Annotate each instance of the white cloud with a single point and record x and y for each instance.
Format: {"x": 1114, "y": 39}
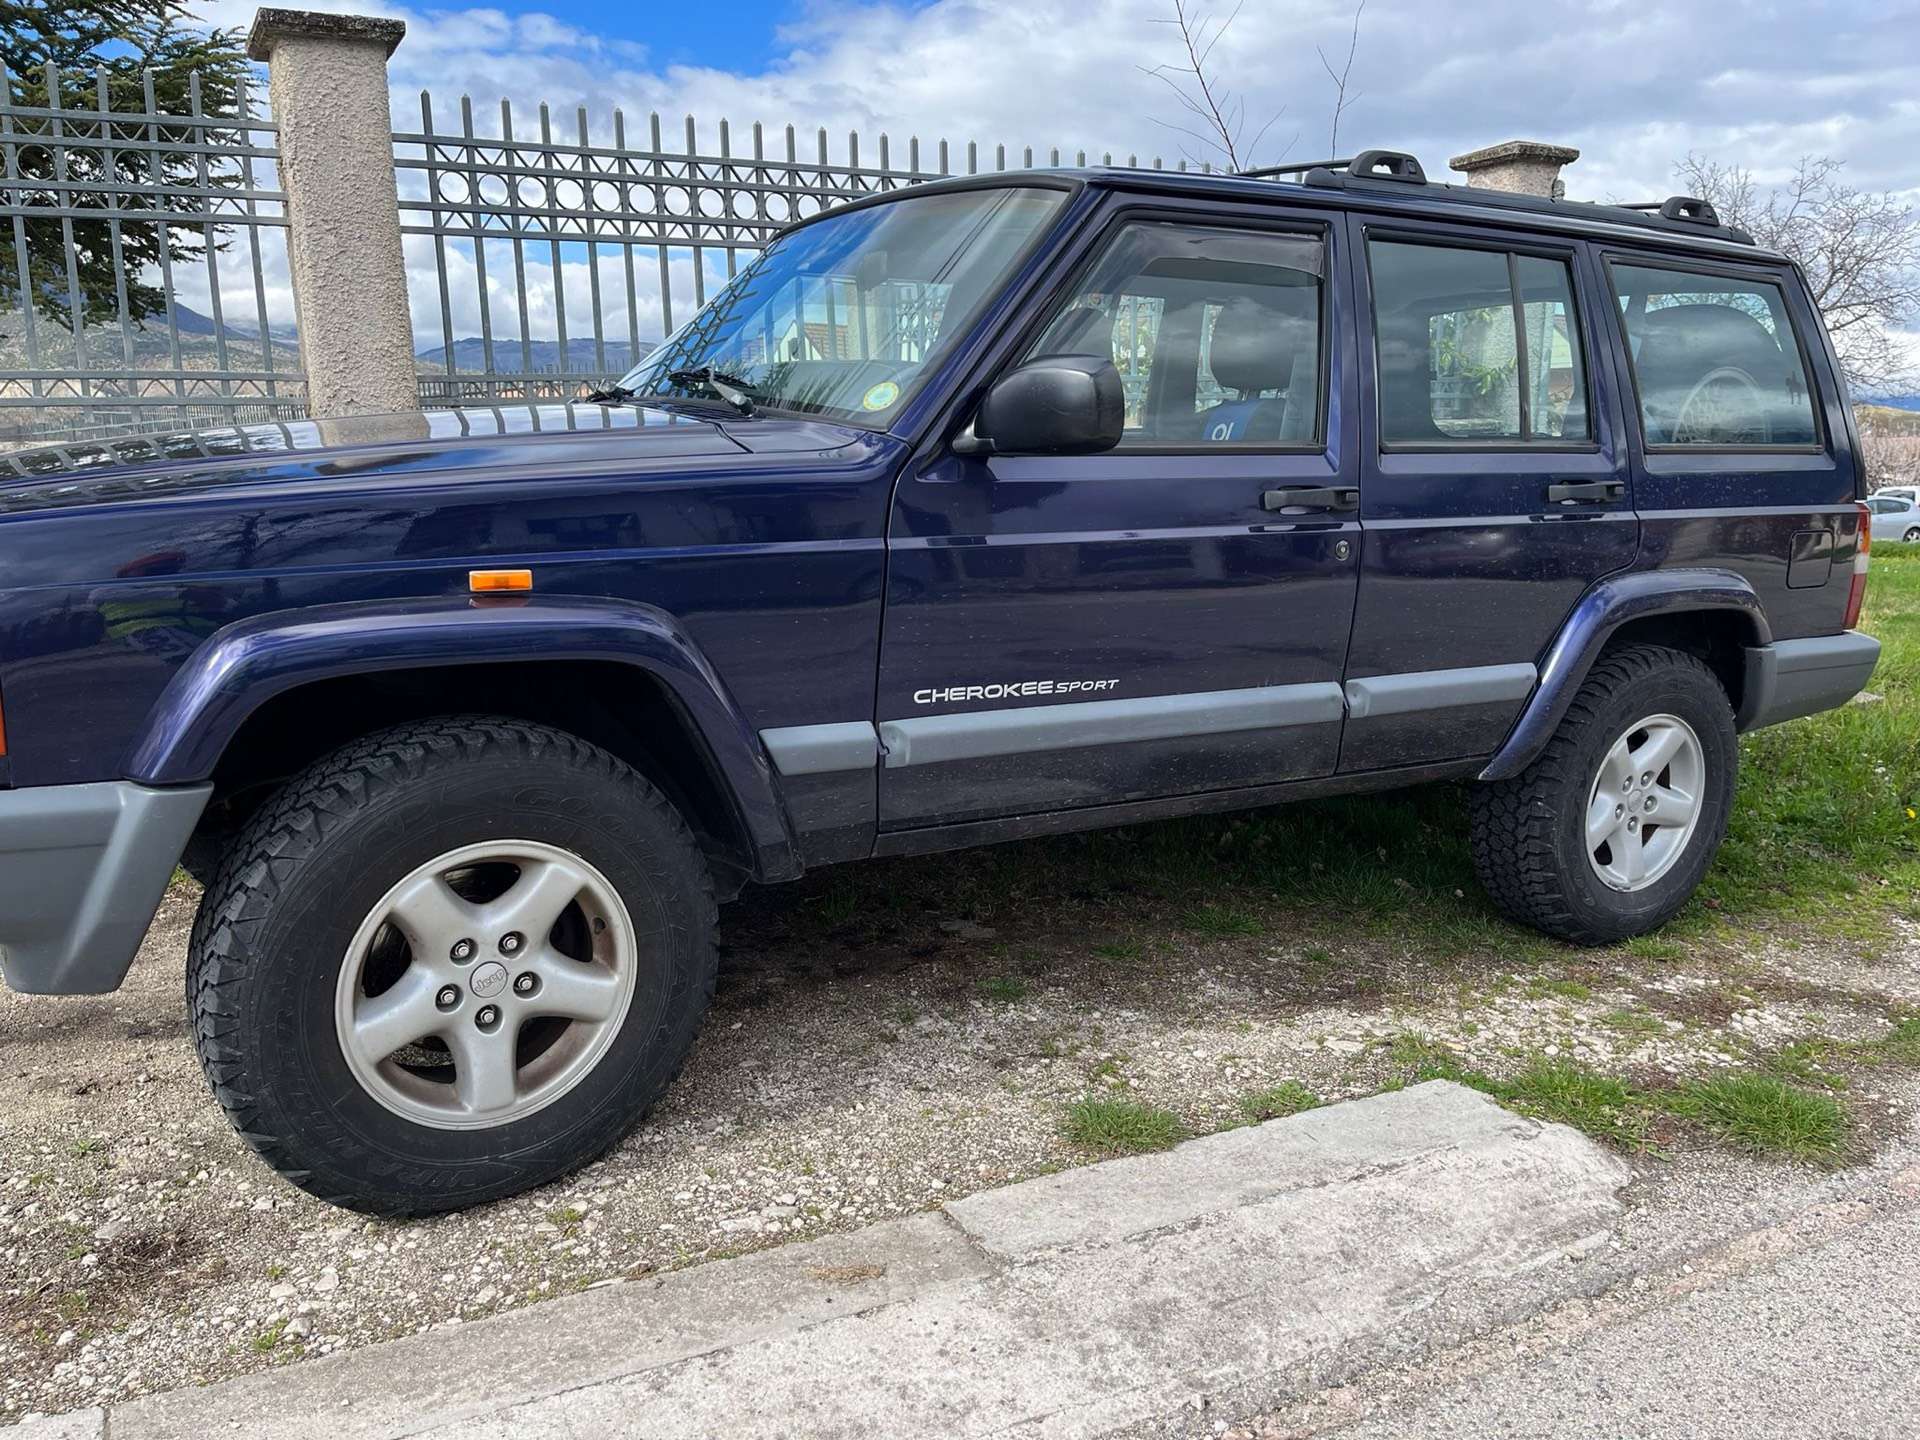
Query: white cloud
{"x": 1634, "y": 85}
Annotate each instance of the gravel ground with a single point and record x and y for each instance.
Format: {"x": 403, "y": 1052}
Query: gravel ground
{"x": 849, "y": 1072}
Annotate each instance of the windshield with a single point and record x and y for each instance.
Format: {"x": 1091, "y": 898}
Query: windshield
{"x": 841, "y": 316}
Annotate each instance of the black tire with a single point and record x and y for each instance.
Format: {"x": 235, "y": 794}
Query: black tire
{"x": 278, "y": 920}
{"x": 1528, "y": 833}
{"x": 1912, "y": 537}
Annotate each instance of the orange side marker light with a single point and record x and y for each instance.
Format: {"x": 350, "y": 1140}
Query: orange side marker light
{"x": 494, "y": 582}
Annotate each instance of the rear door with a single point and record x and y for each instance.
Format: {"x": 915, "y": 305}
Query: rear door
{"x": 1744, "y": 458}
{"x": 1494, "y": 481}
{"x": 1072, "y": 631}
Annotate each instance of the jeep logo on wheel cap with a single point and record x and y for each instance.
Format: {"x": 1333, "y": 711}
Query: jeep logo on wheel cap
{"x": 489, "y": 980}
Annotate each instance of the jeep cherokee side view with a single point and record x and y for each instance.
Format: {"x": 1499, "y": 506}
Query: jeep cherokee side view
{"x": 990, "y": 508}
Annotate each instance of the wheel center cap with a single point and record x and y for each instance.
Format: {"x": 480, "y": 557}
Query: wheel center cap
{"x": 488, "y": 980}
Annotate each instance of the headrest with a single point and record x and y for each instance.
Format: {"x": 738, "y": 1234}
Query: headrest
{"x": 1255, "y": 346}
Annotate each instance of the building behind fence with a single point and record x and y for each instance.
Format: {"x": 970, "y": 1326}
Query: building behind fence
{"x": 553, "y": 257}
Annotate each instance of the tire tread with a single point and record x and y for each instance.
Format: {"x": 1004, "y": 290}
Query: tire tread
{"x": 265, "y": 858}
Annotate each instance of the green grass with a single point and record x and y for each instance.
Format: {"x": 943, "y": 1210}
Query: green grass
{"x": 1830, "y": 805}
{"x": 1276, "y": 1102}
{"x": 1901, "y": 1046}
{"x": 1806, "y": 1062}
{"x": 1634, "y": 1023}
{"x": 1540, "y": 988}
{"x": 1006, "y": 989}
{"x": 1764, "y": 1115}
{"x": 1223, "y": 920}
{"x": 1758, "y": 1113}
{"x": 1120, "y": 1127}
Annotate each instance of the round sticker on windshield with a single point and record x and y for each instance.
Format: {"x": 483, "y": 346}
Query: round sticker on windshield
{"x": 881, "y": 395}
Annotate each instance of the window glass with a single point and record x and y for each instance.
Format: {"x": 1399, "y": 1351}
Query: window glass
{"x": 842, "y": 317}
{"x": 1714, "y": 360}
{"x": 1462, "y": 358}
{"x": 1215, "y": 332}
{"x": 1556, "y": 366}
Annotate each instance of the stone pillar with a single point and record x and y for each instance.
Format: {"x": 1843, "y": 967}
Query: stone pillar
{"x": 328, "y": 86}
{"x": 1524, "y": 167}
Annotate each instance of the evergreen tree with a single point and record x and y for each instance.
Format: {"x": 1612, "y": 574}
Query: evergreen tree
{"x": 124, "y": 40}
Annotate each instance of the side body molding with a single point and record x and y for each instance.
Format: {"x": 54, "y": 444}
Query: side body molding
{"x": 1602, "y": 610}
{"x": 253, "y": 660}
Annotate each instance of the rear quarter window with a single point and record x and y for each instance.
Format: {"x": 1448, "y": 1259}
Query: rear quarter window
{"x": 1715, "y": 360}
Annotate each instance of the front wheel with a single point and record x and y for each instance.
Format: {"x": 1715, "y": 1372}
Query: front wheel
{"x": 452, "y": 961}
{"x": 1611, "y": 829}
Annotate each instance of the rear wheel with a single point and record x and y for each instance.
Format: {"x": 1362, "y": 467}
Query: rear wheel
{"x": 1611, "y": 829}
{"x": 454, "y": 960}
{"x": 1912, "y": 537}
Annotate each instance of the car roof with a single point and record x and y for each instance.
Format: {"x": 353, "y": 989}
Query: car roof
{"x": 1338, "y": 190}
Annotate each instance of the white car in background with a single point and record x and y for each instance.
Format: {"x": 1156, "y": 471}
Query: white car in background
{"x": 1896, "y": 515}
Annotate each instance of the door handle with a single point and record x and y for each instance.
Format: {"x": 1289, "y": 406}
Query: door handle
{"x": 1581, "y": 492}
{"x": 1312, "y": 497}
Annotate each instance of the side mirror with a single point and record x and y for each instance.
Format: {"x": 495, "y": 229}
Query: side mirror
{"x": 1052, "y": 405}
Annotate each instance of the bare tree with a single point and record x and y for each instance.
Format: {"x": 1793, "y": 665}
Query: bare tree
{"x": 1221, "y": 114}
{"x": 1860, "y": 251}
{"x": 1340, "y": 97}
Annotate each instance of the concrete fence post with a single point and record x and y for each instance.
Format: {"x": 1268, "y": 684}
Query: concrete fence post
{"x": 1525, "y": 167}
{"x": 328, "y": 87}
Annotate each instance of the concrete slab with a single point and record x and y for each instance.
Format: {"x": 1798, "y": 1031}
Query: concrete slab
{"x": 1066, "y": 1306}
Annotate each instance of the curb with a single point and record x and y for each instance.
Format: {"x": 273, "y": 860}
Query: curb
{"x": 1075, "y": 1304}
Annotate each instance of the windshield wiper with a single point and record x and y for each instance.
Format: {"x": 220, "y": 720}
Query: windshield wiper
{"x": 611, "y": 395}
{"x": 730, "y": 388}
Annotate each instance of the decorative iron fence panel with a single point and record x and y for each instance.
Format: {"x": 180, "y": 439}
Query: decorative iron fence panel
{"x": 558, "y": 260}
{"x": 181, "y": 211}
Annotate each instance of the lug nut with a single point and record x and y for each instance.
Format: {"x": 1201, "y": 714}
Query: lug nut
{"x": 448, "y": 997}
{"x": 488, "y": 1017}
{"x": 1651, "y": 802}
{"x": 462, "y": 951}
{"x": 1626, "y": 785}
{"x": 511, "y": 942}
{"x": 1633, "y": 823}
{"x": 1647, "y": 779}
{"x": 525, "y": 983}
{"x": 1619, "y": 811}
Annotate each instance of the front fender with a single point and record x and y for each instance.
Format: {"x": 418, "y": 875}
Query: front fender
{"x": 249, "y": 662}
{"x": 1602, "y": 610}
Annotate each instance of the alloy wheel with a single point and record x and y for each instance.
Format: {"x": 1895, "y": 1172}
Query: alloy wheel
{"x": 485, "y": 984}
{"x": 1645, "y": 802}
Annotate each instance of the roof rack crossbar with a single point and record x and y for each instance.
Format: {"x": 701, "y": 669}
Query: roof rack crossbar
{"x": 1367, "y": 165}
{"x": 1266, "y": 170}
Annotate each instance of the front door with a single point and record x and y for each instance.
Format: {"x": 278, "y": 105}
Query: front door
{"x": 1494, "y": 487}
{"x": 1073, "y": 631}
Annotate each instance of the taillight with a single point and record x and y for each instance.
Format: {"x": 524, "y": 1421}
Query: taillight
{"x": 1857, "y": 591}
{"x": 3, "y": 734}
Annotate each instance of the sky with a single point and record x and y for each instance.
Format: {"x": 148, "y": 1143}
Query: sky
{"x": 1634, "y": 84}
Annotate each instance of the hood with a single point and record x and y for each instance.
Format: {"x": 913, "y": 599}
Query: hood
{"x": 410, "y": 447}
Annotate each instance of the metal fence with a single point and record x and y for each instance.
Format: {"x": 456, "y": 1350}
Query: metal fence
{"x": 558, "y": 260}
{"x": 143, "y": 253}
{"x": 93, "y": 197}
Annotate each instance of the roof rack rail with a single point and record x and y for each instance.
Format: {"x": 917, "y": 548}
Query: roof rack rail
{"x": 1681, "y": 207}
{"x": 1367, "y": 165}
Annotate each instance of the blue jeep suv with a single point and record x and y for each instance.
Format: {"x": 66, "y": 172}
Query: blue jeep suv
{"x": 990, "y": 508}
